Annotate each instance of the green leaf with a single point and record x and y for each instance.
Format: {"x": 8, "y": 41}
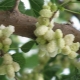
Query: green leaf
{"x": 19, "y": 58}
{"x": 36, "y": 6}
{"x": 7, "y": 4}
{"x": 27, "y": 46}
{"x": 32, "y": 61}
{"x": 21, "y": 7}
{"x": 1, "y": 60}
{"x": 3, "y": 77}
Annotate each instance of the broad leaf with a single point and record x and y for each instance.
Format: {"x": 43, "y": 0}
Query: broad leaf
{"x": 27, "y": 46}
{"x": 36, "y": 6}
{"x": 19, "y": 58}
{"x": 3, "y": 77}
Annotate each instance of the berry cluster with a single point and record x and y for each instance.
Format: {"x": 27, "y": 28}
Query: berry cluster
{"x": 5, "y": 33}
{"x": 52, "y": 42}
{"x": 9, "y": 67}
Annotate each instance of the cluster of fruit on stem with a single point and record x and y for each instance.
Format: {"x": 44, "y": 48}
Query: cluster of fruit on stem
{"x": 8, "y": 66}
{"x": 52, "y": 42}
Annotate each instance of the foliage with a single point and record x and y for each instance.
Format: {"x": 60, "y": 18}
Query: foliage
{"x": 55, "y": 66}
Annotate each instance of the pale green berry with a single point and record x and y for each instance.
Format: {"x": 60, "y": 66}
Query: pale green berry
{"x": 66, "y": 50}
{"x": 41, "y": 53}
{"x": 49, "y": 3}
{"x": 7, "y": 41}
{"x": 69, "y": 38}
{"x": 72, "y": 55}
{"x": 7, "y": 31}
{"x": 2, "y": 70}
{"x": 1, "y": 45}
{"x": 43, "y": 21}
{"x": 46, "y": 7}
{"x": 40, "y": 40}
{"x": 61, "y": 43}
{"x": 16, "y": 66}
{"x": 51, "y": 46}
{"x": 41, "y": 30}
{"x": 5, "y": 48}
{"x": 49, "y": 35}
{"x": 46, "y": 13}
{"x": 53, "y": 54}
{"x": 58, "y": 34}
{"x": 51, "y": 24}
{"x": 10, "y": 71}
{"x": 53, "y": 7}
{"x": 56, "y": 14}
{"x": 75, "y": 46}
{"x": 37, "y": 24}
{"x": 7, "y": 59}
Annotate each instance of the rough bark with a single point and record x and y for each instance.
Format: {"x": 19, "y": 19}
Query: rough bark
{"x": 25, "y": 25}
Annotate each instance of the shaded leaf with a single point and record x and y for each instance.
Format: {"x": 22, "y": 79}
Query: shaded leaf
{"x": 3, "y": 77}
{"x": 27, "y": 46}
{"x": 19, "y": 58}
{"x": 36, "y": 6}
{"x": 1, "y": 60}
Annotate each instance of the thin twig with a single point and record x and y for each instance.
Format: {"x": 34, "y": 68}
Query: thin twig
{"x": 16, "y": 5}
{"x": 53, "y": 15}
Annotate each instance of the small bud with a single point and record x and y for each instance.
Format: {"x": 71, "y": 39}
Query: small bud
{"x": 16, "y": 66}
{"x": 58, "y": 34}
{"x": 61, "y": 42}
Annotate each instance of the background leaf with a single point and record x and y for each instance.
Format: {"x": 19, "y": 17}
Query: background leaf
{"x": 27, "y": 46}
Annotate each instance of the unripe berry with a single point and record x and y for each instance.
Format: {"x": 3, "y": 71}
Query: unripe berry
{"x": 37, "y": 24}
{"x": 43, "y": 21}
{"x": 2, "y": 70}
{"x": 61, "y": 42}
{"x": 51, "y": 46}
{"x": 58, "y": 34}
{"x": 75, "y": 46}
{"x": 46, "y": 13}
{"x": 69, "y": 39}
{"x": 49, "y": 35}
{"x": 16, "y": 66}
{"x": 7, "y": 41}
{"x": 41, "y": 40}
{"x": 53, "y": 7}
{"x": 10, "y": 71}
{"x": 7, "y": 59}
{"x": 50, "y": 3}
{"x": 72, "y": 55}
{"x": 6, "y": 48}
{"x": 66, "y": 50}
{"x": 40, "y": 30}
